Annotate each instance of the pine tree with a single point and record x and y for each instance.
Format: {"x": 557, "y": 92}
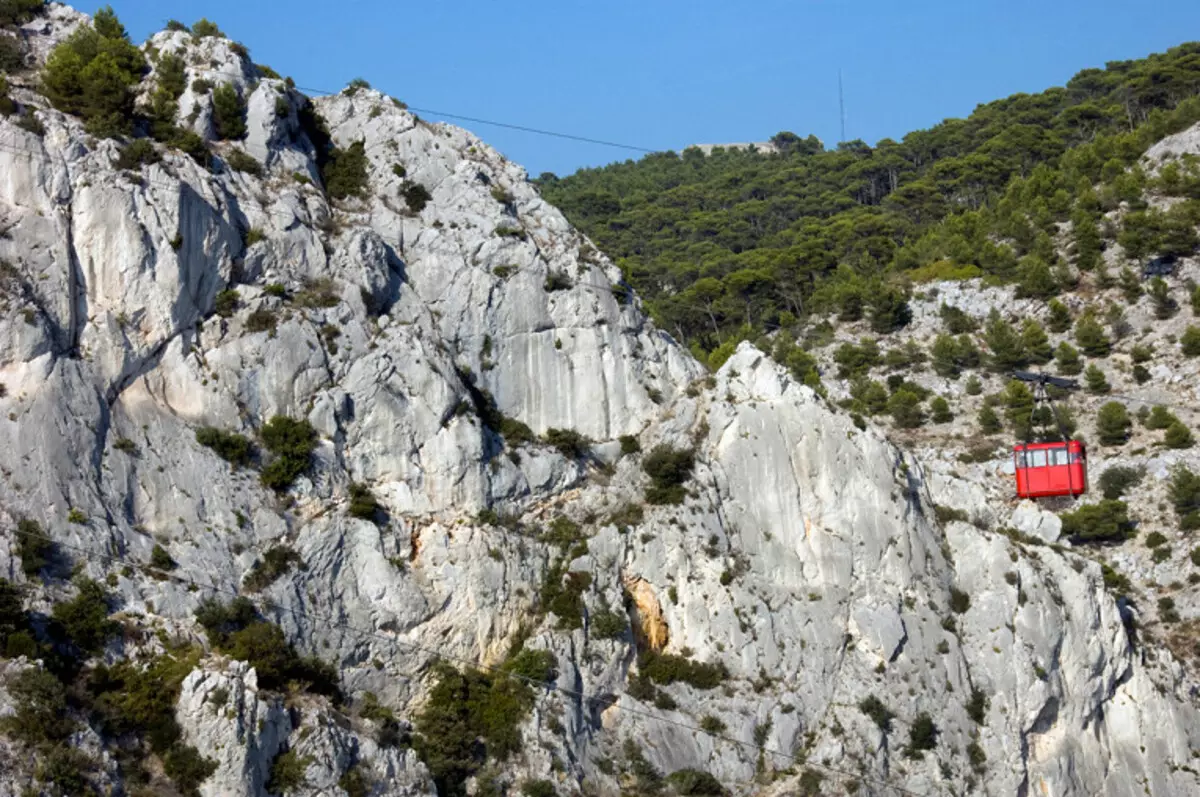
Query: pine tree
{"x": 1090, "y": 336}
{"x": 1160, "y": 294}
{"x": 1036, "y": 279}
{"x": 1140, "y": 374}
{"x": 1095, "y": 380}
{"x": 944, "y": 354}
{"x": 1196, "y": 300}
{"x": 1113, "y": 424}
{"x": 1037, "y": 345}
{"x": 1068, "y": 360}
{"x": 905, "y": 408}
{"x": 1130, "y": 286}
{"x": 1087, "y": 239}
{"x": 1189, "y": 342}
{"x": 229, "y": 112}
{"x": 989, "y": 421}
{"x": 1178, "y": 436}
{"x": 1160, "y": 418}
{"x": 1007, "y": 351}
{"x": 1059, "y": 319}
{"x": 1018, "y": 403}
{"x": 973, "y": 387}
{"x": 939, "y": 410}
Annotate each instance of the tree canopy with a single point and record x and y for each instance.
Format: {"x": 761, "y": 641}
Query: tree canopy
{"x": 738, "y": 242}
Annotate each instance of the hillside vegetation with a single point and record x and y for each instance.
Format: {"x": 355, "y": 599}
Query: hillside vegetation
{"x": 728, "y": 246}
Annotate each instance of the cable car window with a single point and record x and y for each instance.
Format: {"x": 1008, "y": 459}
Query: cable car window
{"x": 1058, "y": 456}
{"x": 1020, "y": 457}
{"x": 1037, "y": 459}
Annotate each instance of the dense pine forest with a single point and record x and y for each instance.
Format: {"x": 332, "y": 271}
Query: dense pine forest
{"x": 739, "y": 243}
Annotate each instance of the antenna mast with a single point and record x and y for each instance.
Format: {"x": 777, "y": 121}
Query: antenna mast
{"x": 842, "y": 104}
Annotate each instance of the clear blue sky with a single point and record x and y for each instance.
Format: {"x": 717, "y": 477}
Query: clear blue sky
{"x": 666, "y": 73}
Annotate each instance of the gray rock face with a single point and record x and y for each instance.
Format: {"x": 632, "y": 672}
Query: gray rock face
{"x": 807, "y": 558}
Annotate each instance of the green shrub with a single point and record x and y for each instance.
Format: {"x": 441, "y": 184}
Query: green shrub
{"x": 1184, "y": 492}
{"x": 41, "y": 714}
{"x": 1096, "y": 381}
{"x": 93, "y": 74}
{"x": 204, "y": 29}
{"x": 242, "y": 162}
{"x": 556, "y": 281}
{"x": 229, "y": 446}
{"x": 977, "y": 707}
{"x": 18, "y": 12}
{"x": 226, "y": 303}
{"x": 1155, "y": 539}
{"x": 236, "y": 630}
{"x": 170, "y": 76}
{"x": 922, "y": 735}
{"x": 905, "y": 408}
{"x": 1140, "y": 374}
{"x": 1089, "y": 334}
{"x": 345, "y": 171}
{"x": 139, "y": 152}
{"x": 568, "y": 442}
{"x": 1178, "y": 436}
{"x": 667, "y": 668}
{"x": 277, "y": 561}
{"x": 1059, "y": 318}
{"x": 7, "y": 106}
{"x": 288, "y": 772}
{"x": 33, "y": 548}
{"x": 1068, "y": 360}
{"x": 1160, "y": 418}
{"x": 627, "y": 516}
{"x": 959, "y": 601}
{"x": 504, "y": 231}
{"x": 630, "y": 444}
{"x": 538, "y": 788}
{"x": 13, "y": 619}
{"x": 416, "y": 196}
{"x": 607, "y": 624}
{"x": 1106, "y": 521}
{"x": 187, "y": 768}
{"x": 84, "y": 618}
{"x": 292, "y": 442}
{"x": 857, "y": 360}
{"x": 363, "y": 504}
{"x": 695, "y": 783}
{"x": 1113, "y": 424}
{"x": 1035, "y": 342}
{"x": 712, "y": 725}
{"x": 880, "y": 714}
{"x": 229, "y": 112}
{"x": 989, "y": 421}
{"x": 562, "y": 594}
{"x": 160, "y": 559}
{"x": 469, "y": 718}
{"x": 190, "y": 143}
{"x": 1189, "y": 341}
{"x": 669, "y": 469}
{"x": 1114, "y": 482}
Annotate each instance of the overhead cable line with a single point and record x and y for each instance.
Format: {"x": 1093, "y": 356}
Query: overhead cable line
{"x": 333, "y": 622}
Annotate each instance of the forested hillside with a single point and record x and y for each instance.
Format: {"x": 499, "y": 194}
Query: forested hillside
{"x": 729, "y": 246}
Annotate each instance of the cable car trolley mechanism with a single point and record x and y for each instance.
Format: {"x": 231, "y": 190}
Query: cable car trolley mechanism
{"x": 1045, "y": 470}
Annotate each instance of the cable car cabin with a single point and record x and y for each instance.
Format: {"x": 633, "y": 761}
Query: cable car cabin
{"x": 1047, "y": 469}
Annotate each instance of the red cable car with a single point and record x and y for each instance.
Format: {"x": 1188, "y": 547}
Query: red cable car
{"x": 1049, "y": 469}
{"x": 1046, "y": 470}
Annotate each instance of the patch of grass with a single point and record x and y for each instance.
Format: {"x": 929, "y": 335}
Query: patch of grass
{"x": 262, "y": 320}
{"x": 363, "y": 504}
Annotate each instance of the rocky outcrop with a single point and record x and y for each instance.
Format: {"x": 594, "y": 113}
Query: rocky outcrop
{"x": 806, "y": 563}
